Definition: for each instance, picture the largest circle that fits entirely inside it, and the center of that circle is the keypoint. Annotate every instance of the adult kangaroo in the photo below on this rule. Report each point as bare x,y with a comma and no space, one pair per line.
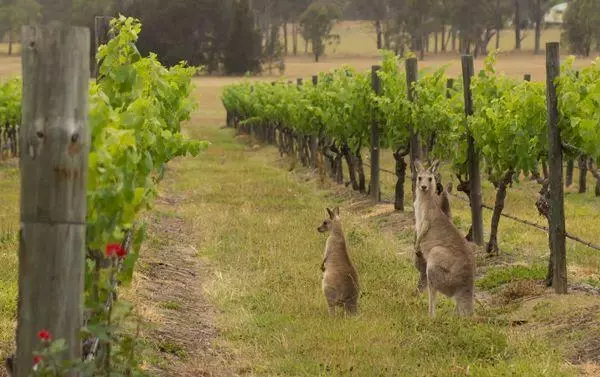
450,264
443,199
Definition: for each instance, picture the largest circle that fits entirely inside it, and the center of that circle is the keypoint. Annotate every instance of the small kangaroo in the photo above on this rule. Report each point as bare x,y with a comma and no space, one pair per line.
340,280
443,197
450,263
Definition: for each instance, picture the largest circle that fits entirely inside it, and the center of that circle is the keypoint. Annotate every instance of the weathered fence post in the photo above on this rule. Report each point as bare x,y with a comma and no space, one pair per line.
375,189
556,219
314,143
53,163
303,142
449,87
101,36
415,146
473,157
583,169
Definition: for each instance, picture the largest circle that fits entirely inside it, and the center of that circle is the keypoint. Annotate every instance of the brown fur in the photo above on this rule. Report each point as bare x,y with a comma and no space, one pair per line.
450,264
340,280
443,199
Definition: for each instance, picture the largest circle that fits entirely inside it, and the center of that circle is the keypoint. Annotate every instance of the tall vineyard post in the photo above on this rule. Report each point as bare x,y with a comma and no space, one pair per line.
303,150
314,143
473,157
558,254
53,188
375,189
415,147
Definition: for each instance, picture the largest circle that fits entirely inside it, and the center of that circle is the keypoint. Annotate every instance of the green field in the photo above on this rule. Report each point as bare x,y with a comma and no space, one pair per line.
249,218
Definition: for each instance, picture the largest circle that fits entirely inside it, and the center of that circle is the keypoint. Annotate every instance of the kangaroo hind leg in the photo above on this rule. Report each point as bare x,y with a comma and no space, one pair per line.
464,304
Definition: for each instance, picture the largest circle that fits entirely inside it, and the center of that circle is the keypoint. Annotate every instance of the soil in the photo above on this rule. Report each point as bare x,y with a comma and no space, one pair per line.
178,320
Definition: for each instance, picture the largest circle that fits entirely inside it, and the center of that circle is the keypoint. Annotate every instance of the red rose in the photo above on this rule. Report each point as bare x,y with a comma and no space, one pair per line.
115,249
37,359
121,252
45,335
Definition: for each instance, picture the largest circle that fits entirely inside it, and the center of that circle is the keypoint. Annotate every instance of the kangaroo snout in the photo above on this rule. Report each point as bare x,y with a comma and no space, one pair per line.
424,187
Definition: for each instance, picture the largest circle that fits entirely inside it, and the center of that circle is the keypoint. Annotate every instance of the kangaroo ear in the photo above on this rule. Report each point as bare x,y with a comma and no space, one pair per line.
336,211
418,166
434,166
330,213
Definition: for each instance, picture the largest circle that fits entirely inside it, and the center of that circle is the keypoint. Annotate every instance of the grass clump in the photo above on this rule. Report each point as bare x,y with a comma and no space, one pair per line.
495,277
171,305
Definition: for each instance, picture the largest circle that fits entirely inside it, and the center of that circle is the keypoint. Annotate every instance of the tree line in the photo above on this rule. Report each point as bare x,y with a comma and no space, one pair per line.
239,36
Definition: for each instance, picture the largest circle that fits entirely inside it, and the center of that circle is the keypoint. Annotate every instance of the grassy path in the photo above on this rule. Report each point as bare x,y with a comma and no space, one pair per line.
255,221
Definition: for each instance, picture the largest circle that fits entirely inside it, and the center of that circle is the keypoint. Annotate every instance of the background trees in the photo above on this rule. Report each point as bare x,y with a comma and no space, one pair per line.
14,14
242,51
582,26
202,31
317,23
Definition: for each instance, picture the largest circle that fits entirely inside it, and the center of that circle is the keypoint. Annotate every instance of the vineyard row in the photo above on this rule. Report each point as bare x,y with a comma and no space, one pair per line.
478,123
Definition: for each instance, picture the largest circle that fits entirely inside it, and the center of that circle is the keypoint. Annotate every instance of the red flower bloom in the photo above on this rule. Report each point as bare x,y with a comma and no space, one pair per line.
37,359
115,249
121,252
45,335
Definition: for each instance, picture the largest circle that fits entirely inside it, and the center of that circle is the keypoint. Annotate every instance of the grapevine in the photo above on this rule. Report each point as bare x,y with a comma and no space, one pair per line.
508,124
136,108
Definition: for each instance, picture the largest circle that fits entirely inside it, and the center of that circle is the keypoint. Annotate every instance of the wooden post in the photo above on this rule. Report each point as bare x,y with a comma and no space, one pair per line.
375,183
303,142
473,157
555,159
527,77
449,86
314,142
415,146
582,161
101,36
53,163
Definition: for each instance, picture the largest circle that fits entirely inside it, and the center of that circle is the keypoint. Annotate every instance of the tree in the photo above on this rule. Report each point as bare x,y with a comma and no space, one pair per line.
537,9
317,23
242,52
15,14
477,22
381,13
581,24
198,36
